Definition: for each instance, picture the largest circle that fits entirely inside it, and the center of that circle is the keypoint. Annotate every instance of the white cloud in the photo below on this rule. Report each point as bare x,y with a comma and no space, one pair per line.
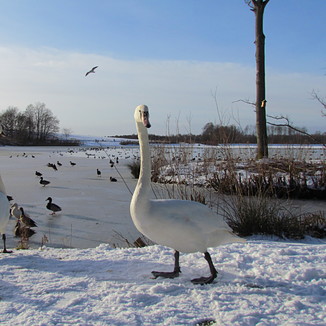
103,103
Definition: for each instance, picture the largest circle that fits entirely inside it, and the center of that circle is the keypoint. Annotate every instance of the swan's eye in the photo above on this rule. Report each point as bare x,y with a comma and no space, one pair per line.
143,114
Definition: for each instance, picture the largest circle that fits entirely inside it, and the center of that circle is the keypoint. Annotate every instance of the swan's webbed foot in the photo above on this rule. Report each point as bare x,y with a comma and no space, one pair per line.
5,251
209,279
203,280
166,274
176,272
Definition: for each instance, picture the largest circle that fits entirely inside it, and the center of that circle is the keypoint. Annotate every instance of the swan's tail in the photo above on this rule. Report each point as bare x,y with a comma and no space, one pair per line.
220,237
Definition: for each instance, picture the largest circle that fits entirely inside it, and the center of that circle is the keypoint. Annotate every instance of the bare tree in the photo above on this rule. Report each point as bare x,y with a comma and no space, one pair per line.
322,101
67,132
8,120
36,123
258,7
45,123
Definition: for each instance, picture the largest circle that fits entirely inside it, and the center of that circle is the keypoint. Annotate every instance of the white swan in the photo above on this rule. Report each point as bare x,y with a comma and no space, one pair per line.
4,214
183,225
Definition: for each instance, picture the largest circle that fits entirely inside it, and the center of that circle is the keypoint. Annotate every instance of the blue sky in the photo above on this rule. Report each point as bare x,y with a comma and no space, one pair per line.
172,55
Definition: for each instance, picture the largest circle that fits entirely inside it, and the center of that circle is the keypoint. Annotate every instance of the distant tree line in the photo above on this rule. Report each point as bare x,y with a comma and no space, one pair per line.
214,134
35,126
38,126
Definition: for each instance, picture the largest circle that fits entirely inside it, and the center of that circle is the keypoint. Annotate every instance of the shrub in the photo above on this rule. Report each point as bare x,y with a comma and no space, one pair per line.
134,168
262,215
314,224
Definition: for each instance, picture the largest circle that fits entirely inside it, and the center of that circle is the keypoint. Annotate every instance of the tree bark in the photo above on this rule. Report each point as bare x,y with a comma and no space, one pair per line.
258,7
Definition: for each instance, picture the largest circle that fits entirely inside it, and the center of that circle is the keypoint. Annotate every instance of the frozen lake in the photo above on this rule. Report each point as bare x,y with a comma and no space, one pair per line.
94,209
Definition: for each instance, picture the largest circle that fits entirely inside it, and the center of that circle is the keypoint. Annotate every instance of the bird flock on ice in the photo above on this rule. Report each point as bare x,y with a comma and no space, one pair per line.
185,226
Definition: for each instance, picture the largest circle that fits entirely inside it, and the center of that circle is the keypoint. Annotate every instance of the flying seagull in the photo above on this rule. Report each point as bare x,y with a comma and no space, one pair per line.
92,70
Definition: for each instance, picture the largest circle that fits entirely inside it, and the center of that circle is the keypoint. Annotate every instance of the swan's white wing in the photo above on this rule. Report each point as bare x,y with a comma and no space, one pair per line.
189,212
184,225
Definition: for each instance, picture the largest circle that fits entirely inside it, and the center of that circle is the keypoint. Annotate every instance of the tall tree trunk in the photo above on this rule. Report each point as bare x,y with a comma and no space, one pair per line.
258,7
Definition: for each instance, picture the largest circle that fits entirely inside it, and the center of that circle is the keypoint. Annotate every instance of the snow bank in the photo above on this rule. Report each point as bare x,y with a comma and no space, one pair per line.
259,283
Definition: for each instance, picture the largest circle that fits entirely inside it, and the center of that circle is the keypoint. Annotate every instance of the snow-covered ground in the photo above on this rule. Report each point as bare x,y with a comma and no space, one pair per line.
261,282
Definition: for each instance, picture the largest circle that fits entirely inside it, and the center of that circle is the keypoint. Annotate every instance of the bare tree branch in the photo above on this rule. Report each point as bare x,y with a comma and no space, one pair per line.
288,125
287,121
249,3
322,101
245,101
253,3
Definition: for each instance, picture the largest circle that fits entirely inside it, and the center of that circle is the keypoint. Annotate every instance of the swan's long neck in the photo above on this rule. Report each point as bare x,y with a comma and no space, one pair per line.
141,193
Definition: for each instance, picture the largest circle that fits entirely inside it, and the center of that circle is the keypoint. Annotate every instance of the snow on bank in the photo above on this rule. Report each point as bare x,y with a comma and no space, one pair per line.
260,282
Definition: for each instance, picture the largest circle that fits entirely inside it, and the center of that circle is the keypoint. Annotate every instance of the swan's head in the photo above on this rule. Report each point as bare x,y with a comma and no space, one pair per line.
142,115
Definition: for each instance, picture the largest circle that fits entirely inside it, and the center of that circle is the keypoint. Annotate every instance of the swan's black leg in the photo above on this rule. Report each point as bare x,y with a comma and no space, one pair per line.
209,279
4,245
175,272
